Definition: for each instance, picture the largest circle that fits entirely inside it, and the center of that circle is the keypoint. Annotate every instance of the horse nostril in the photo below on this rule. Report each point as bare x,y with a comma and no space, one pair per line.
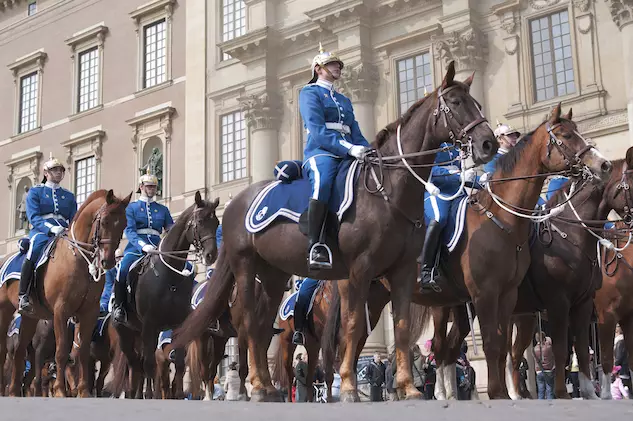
487,146
606,167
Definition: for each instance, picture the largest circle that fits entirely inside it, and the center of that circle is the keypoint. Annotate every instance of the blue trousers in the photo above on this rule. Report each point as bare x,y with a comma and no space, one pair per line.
110,277
436,209
555,184
124,266
38,241
308,286
322,170
164,338
545,385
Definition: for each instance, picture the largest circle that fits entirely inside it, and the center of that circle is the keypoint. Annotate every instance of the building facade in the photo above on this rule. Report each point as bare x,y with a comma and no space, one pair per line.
211,86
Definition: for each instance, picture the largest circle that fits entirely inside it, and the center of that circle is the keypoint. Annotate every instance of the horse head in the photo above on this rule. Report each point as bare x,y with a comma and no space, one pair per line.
108,225
568,150
617,193
202,227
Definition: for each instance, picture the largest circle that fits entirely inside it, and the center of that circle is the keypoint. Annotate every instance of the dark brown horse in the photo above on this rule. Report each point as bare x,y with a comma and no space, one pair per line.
493,256
167,389
381,234
66,288
161,297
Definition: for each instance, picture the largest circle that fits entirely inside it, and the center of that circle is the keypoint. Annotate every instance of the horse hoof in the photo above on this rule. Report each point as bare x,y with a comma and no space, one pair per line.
349,397
414,395
273,396
258,395
243,397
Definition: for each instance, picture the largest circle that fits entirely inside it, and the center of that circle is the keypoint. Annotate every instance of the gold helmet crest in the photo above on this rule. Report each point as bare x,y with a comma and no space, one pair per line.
148,179
504,129
53,163
322,59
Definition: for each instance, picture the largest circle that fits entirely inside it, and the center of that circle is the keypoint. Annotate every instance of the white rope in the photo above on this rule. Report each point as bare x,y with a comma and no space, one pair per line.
185,272
428,185
367,319
92,267
536,218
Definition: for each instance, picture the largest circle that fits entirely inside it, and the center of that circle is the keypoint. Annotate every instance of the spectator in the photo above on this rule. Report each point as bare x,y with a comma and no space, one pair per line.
218,391
376,376
621,357
390,377
465,375
301,376
574,373
232,383
544,358
429,372
618,390
417,368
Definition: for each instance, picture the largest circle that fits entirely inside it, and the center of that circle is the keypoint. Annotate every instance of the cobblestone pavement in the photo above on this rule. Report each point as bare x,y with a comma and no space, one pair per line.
123,410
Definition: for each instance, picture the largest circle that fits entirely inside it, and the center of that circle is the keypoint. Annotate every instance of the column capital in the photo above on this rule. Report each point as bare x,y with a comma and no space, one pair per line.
359,82
466,46
262,110
621,12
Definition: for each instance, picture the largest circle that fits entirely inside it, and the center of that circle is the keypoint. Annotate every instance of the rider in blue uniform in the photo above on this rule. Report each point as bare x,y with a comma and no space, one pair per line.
306,289
333,136
507,136
50,209
146,220
110,279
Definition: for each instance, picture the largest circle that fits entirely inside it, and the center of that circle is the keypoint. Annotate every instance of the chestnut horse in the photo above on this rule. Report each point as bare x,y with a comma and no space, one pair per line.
492,256
167,389
380,235
66,287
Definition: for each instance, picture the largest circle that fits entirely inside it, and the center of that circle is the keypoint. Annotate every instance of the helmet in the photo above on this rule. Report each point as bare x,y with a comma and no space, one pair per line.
322,59
118,253
504,130
53,163
148,179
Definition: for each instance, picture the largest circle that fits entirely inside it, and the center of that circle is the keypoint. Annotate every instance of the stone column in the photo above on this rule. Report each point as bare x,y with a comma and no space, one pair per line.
622,14
376,341
509,17
262,115
360,82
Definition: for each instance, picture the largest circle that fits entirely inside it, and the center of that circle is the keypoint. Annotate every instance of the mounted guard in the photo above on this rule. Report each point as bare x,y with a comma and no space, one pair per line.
110,279
146,219
333,136
50,208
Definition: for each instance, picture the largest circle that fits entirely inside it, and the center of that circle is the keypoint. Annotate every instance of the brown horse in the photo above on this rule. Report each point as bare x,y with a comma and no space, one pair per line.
381,234
65,287
496,238
167,389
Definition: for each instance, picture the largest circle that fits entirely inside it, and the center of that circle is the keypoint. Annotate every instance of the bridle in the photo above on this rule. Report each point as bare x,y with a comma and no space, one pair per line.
448,118
573,161
623,186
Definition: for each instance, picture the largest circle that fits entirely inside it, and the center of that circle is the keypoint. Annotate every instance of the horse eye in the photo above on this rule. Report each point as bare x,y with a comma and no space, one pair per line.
567,135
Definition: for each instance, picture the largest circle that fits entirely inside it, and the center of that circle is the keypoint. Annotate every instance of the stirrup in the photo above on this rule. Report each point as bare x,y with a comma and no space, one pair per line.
25,307
172,356
431,284
119,315
298,338
319,264
215,326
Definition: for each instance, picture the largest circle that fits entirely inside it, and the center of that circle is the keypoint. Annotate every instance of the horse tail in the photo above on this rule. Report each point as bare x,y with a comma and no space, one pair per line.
194,362
120,373
420,317
211,307
330,337
279,363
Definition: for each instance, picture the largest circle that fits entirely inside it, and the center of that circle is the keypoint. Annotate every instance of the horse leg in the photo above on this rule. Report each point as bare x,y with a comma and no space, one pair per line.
104,367
440,348
507,303
87,324
288,349
559,322
402,280
580,321
177,387
243,369
456,336
487,307
150,343
312,349
525,332
627,329
162,380
606,332
6,315
27,330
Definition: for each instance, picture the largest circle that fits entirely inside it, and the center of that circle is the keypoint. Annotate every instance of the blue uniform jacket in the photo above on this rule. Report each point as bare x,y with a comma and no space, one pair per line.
319,105
447,177
491,166
148,218
218,236
47,207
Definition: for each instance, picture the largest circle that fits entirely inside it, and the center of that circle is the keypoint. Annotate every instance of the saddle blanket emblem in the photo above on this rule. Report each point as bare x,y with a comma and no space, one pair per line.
287,308
12,267
290,199
164,338
198,294
100,326
14,327
455,223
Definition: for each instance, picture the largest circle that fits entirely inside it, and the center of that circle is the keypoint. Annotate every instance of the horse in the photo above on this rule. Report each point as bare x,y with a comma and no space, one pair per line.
562,278
496,237
164,283
175,388
380,235
69,285
325,299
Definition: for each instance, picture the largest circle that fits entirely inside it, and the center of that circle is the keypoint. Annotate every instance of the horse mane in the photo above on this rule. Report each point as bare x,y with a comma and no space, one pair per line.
97,194
391,128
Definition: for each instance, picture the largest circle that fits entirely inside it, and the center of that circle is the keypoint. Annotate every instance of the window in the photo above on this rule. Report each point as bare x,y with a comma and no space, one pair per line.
88,83
155,54
31,8
414,75
551,56
28,102
85,170
233,21
233,152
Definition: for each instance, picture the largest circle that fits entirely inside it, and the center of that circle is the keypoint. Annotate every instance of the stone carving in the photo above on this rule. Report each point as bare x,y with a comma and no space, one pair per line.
467,47
360,82
582,5
261,110
155,166
542,4
21,210
621,11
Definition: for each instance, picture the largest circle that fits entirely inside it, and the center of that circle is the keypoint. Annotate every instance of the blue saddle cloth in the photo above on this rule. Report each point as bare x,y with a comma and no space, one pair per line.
455,223
14,327
198,294
290,199
164,338
13,265
287,308
102,321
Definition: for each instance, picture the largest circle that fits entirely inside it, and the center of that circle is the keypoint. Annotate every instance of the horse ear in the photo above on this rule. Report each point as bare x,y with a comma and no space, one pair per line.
126,201
569,115
199,201
450,75
629,158
110,198
555,115
469,81
215,203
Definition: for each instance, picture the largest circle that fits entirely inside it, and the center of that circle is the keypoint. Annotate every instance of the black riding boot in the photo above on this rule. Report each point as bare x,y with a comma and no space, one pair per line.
223,326
118,312
429,273
318,255
25,305
298,338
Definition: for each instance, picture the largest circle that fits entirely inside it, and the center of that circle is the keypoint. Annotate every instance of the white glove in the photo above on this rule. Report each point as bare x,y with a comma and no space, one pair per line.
56,230
358,151
470,175
148,247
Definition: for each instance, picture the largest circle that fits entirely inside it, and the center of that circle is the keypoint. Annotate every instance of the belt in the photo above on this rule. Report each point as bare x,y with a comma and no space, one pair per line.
54,216
339,127
148,231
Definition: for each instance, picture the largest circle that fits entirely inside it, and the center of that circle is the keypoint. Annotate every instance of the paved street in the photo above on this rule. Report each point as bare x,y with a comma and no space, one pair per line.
124,410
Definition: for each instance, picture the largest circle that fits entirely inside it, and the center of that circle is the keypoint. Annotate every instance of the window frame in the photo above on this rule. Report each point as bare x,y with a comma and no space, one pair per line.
79,78
75,181
396,72
24,66
144,62
28,8
223,57
221,147
82,145
34,74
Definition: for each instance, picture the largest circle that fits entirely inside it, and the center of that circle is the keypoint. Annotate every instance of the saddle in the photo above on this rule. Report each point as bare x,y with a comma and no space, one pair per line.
143,265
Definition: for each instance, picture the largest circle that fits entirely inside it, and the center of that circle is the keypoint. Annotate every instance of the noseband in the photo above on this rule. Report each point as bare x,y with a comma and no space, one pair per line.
449,119
573,161
624,186
198,242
